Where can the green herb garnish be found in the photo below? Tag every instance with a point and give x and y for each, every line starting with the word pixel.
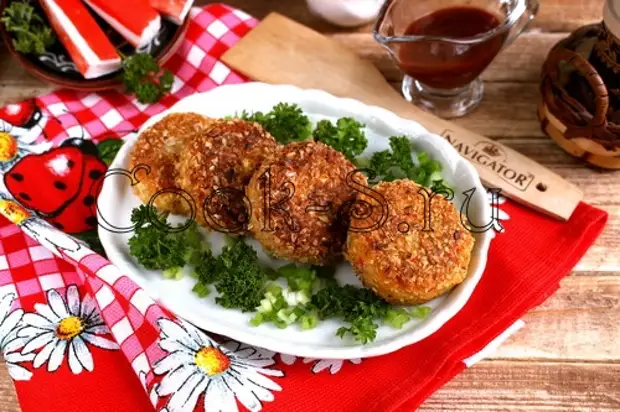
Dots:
pixel 206 268
pixel 31 34
pixel 298 278
pixel 398 164
pixel 236 274
pixel 312 293
pixel 241 279
pixel 108 149
pixel 201 289
pixel 359 307
pixel 286 122
pixel 347 136
pixel 144 77
pixel 156 246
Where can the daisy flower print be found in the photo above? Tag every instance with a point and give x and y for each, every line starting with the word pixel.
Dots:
pixel 320 365
pixel 197 365
pixel 65 327
pixel 10 343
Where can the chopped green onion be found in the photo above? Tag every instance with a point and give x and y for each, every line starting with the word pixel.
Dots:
pixel 396 318
pixel 298 278
pixel 173 273
pixel 274 289
pixel 284 316
pixel 309 321
pixel 258 319
pixel 280 303
pixel 265 306
pixel 303 297
pixel 420 312
pixel 299 311
pixel 280 323
pixel 201 289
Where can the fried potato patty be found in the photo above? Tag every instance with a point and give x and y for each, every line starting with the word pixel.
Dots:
pixel 215 166
pixel 404 261
pixel 158 148
pixel 296 199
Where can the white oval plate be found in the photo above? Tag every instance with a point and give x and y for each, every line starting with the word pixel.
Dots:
pixel 117 200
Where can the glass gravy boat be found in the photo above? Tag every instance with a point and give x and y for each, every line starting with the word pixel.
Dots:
pixel 442 72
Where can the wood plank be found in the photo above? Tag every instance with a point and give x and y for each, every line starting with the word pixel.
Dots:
pixel 16 93
pixel 507 110
pixel 8 399
pixel 600 187
pixel 520 62
pixel 554 15
pixel 603 256
pixel 525 386
pixel 11 73
pixel 579 323
pixel 563 15
pixel 503 100
pixel 498 385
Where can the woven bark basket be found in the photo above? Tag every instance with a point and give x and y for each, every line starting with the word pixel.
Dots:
pixel 585 126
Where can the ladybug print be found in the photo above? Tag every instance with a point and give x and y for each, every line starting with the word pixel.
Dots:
pixel 57 185
pixel 80 214
pixel 24 115
pixel 20 126
pixel 38 229
pixel 60 185
pixel 46 182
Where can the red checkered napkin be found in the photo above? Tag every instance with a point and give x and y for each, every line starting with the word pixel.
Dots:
pixel 78 335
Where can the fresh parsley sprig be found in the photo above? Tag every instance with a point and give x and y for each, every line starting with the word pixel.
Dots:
pixel 108 149
pixel 156 246
pixel 143 76
pixel 31 34
pixel 347 136
pixel 286 122
pixel 398 163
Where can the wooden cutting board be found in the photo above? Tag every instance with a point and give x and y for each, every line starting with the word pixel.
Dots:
pixel 282 51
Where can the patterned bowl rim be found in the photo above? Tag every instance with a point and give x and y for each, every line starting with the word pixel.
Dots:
pixel 42 73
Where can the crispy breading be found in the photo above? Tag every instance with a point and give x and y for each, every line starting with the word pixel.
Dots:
pixel 404 261
pixel 159 148
pixel 221 158
pixel 306 228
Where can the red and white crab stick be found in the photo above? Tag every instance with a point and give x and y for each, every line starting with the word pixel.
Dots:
pixel 91 51
pixel 135 20
pixel 173 10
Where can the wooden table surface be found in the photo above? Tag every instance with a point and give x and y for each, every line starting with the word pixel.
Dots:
pixel 567 357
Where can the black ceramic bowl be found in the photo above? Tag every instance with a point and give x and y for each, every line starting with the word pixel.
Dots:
pixel 55 66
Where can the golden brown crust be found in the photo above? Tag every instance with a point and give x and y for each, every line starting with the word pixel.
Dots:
pixel 403 261
pixel 318 174
pixel 224 156
pixel 158 147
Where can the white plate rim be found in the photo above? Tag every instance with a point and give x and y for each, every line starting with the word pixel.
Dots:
pixel 458 297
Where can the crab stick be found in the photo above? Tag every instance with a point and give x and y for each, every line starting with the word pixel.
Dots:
pixel 89 48
pixel 135 20
pixel 173 10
